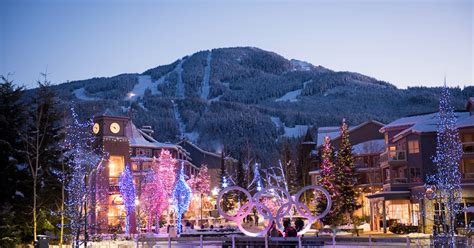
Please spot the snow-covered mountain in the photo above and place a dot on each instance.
(246, 99)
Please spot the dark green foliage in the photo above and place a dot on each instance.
(14, 221)
(157, 72)
(248, 80)
(346, 176)
(193, 73)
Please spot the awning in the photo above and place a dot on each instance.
(391, 195)
(469, 210)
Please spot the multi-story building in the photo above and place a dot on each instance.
(123, 143)
(410, 145)
(392, 175)
(368, 144)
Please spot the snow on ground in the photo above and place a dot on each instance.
(81, 94)
(297, 131)
(299, 65)
(20, 194)
(142, 106)
(291, 132)
(207, 75)
(215, 99)
(177, 116)
(180, 85)
(276, 121)
(292, 96)
(144, 83)
(192, 136)
(289, 96)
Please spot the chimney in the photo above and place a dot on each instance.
(148, 130)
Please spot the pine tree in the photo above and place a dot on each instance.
(290, 169)
(346, 177)
(327, 180)
(241, 180)
(447, 162)
(12, 179)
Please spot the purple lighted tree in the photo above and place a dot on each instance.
(447, 162)
(127, 190)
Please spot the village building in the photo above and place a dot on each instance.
(122, 143)
(393, 162)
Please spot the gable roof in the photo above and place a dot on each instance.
(426, 123)
(335, 132)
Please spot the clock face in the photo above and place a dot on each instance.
(114, 127)
(96, 128)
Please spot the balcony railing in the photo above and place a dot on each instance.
(393, 156)
(468, 147)
(400, 180)
(468, 175)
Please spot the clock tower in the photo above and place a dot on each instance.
(110, 132)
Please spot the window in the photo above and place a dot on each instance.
(116, 164)
(142, 152)
(415, 174)
(413, 146)
(469, 166)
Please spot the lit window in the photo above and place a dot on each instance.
(116, 164)
(413, 146)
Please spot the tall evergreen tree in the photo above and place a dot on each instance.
(13, 194)
(447, 162)
(241, 179)
(346, 177)
(328, 181)
(289, 167)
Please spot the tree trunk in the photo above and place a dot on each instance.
(34, 209)
(61, 233)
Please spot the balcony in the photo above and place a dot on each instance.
(468, 147)
(393, 157)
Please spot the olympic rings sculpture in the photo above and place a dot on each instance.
(282, 211)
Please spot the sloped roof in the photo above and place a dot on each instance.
(335, 132)
(369, 147)
(425, 123)
(138, 138)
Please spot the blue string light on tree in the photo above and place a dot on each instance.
(181, 198)
(127, 190)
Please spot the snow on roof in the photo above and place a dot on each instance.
(331, 132)
(466, 122)
(410, 120)
(426, 123)
(335, 132)
(138, 138)
(369, 147)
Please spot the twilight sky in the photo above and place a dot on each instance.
(407, 43)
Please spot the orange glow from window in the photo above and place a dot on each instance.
(116, 165)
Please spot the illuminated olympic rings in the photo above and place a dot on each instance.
(282, 211)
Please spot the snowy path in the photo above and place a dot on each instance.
(292, 96)
(192, 136)
(207, 75)
(144, 83)
(177, 116)
(81, 94)
(290, 132)
(180, 84)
